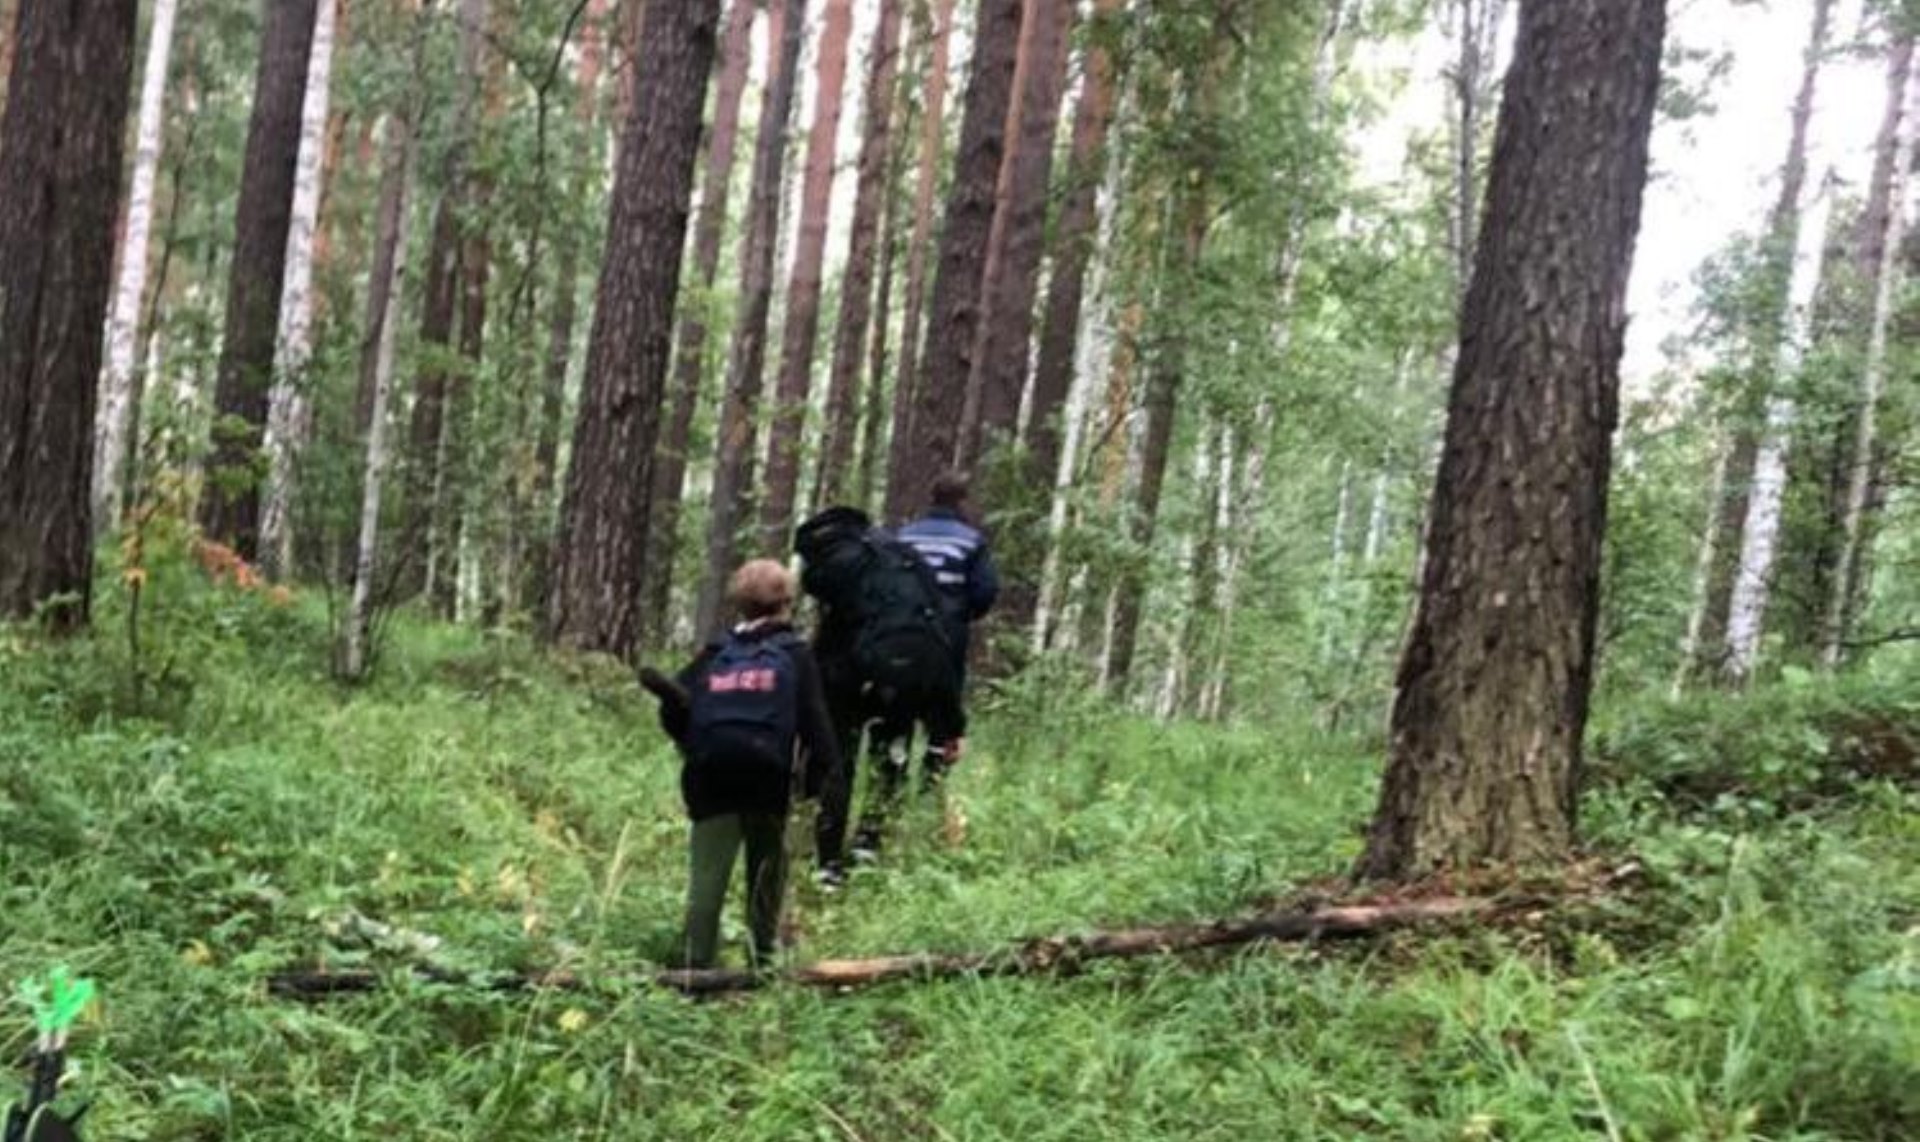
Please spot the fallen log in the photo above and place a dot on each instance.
(1057, 955)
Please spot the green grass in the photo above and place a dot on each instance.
(1764, 984)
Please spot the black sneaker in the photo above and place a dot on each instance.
(830, 877)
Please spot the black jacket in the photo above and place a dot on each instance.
(710, 791)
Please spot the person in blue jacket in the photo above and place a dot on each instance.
(962, 564)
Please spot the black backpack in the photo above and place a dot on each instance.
(743, 710)
(884, 605)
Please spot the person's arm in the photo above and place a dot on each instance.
(983, 582)
(818, 739)
(675, 717)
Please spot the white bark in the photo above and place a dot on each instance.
(1702, 572)
(384, 326)
(123, 321)
(1833, 631)
(289, 411)
(1760, 535)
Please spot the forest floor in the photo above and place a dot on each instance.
(486, 808)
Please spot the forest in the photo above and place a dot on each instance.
(1450, 465)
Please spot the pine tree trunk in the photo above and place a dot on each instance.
(424, 542)
(1011, 276)
(690, 349)
(561, 321)
(1485, 755)
(123, 322)
(1073, 246)
(856, 285)
(875, 416)
(803, 289)
(907, 386)
(230, 505)
(1760, 532)
(733, 462)
(1782, 238)
(600, 554)
(384, 291)
(1882, 232)
(946, 361)
(288, 405)
(60, 149)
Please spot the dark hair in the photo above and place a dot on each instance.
(950, 489)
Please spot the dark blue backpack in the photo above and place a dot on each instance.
(743, 710)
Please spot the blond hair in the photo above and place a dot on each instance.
(761, 588)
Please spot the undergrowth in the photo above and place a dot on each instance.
(482, 805)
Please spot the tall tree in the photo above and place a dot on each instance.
(60, 149)
(946, 361)
(926, 184)
(746, 362)
(1477, 27)
(230, 507)
(1010, 279)
(1749, 414)
(429, 560)
(1882, 230)
(803, 289)
(289, 410)
(1491, 702)
(598, 560)
(123, 320)
(863, 249)
(376, 380)
(1073, 244)
(690, 348)
(560, 324)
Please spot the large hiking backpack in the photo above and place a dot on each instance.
(883, 604)
(743, 710)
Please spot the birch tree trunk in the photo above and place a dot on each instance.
(1884, 230)
(803, 289)
(1751, 411)
(599, 561)
(1490, 708)
(123, 320)
(906, 389)
(376, 382)
(856, 285)
(230, 506)
(289, 411)
(733, 462)
(690, 349)
(60, 150)
(947, 358)
(1760, 532)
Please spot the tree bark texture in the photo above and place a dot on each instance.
(60, 150)
(1491, 696)
(690, 348)
(946, 361)
(230, 504)
(1073, 246)
(907, 386)
(1011, 277)
(863, 250)
(123, 320)
(1749, 414)
(600, 555)
(288, 405)
(781, 486)
(733, 462)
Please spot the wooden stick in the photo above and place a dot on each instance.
(1061, 955)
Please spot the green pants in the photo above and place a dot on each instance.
(714, 843)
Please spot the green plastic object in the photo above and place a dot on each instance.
(57, 1000)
